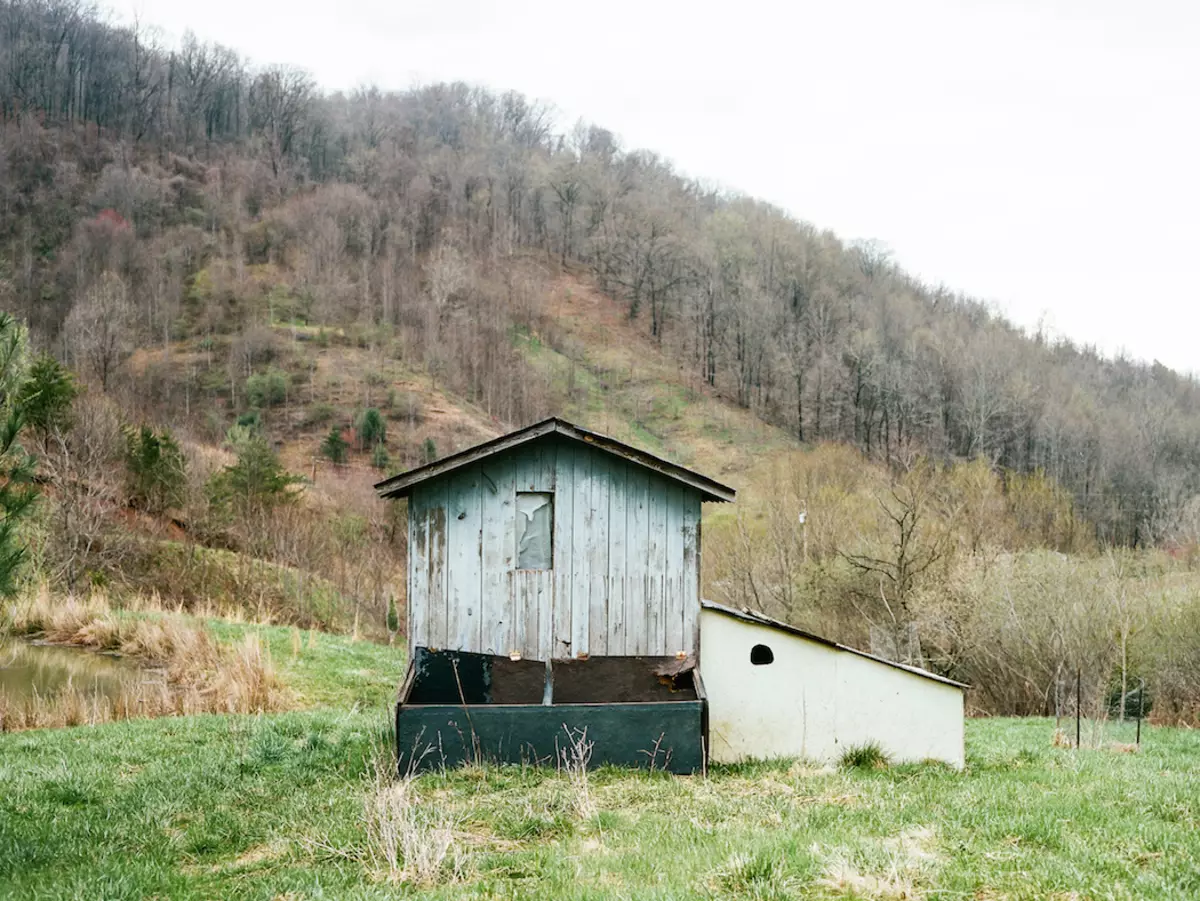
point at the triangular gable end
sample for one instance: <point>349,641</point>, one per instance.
<point>403,484</point>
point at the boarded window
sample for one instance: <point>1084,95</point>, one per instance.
<point>535,527</point>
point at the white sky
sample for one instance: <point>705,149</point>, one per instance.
<point>1043,156</point>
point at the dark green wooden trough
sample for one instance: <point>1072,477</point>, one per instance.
<point>457,708</point>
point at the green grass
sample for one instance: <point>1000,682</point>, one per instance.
<point>338,672</point>
<point>272,807</point>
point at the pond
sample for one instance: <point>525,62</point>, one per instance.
<point>45,670</point>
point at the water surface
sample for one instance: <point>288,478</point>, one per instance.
<point>27,668</point>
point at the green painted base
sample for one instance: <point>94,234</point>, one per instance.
<point>663,735</point>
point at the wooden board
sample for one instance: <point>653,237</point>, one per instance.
<point>636,558</point>
<point>498,547</point>
<point>436,566</point>
<point>418,572</point>
<point>673,600</point>
<point>618,531</point>
<point>656,566</point>
<point>582,523</point>
<point>564,518</point>
<point>464,560</point>
<point>665,736</point>
<point>691,571</point>
<point>597,555</point>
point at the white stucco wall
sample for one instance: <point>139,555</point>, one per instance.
<point>814,700</point>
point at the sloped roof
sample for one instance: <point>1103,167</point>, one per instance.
<point>401,485</point>
<point>760,619</point>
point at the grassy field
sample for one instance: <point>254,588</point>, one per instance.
<point>289,806</point>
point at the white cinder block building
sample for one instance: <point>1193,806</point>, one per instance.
<point>777,691</point>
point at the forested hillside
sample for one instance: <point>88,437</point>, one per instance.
<point>250,277</point>
<point>409,209</point>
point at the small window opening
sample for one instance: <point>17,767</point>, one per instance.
<point>535,530</point>
<point>761,655</point>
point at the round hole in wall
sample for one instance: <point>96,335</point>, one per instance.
<point>761,655</point>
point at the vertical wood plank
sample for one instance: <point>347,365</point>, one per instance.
<point>497,481</point>
<point>691,571</point>
<point>542,641</point>
<point>418,571</point>
<point>564,519</point>
<point>597,553</point>
<point>656,566</point>
<point>617,546</point>
<point>538,587</point>
<point>464,534</point>
<point>436,556</point>
<point>674,574</point>
<point>581,536</point>
<point>547,477</point>
<point>516,638</point>
<point>527,460</point>
<point>636,557</point>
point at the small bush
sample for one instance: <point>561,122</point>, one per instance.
<point>267,389</point>
<point>380,458</point>
<point>405,405</point>
<point>429,451</point>
<point>319,414</point>
<point>251,421</point>
<point>867,756</point>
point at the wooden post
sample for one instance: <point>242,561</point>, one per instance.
<point>548,686</point>
<point>1079,704</point>
<point>1141,710</point>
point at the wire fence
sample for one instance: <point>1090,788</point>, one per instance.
<point>1112,720</point>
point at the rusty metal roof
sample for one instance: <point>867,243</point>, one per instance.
<point>760,619</point>
<point>401,485</point>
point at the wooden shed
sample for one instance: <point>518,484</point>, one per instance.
<point>553,589</point>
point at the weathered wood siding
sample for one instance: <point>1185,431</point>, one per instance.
<point>626,574</point>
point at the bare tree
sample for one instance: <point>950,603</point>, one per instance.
<point>99,328</point>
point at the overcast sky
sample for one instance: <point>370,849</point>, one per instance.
<point>1043,156</point>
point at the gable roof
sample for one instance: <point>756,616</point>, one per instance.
<point>402,485</point>
<point>759,619</point>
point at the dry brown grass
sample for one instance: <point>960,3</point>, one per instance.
<point>892,869</point>
<point>409,840</point>
<point>198,674</point>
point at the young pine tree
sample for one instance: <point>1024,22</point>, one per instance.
<point>257,480</point>
<point>157,473</point>
<point>334,446</point>
<point>372,428</point>
<point>47,395</point>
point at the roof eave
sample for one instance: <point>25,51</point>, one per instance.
<point>761,619</point>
